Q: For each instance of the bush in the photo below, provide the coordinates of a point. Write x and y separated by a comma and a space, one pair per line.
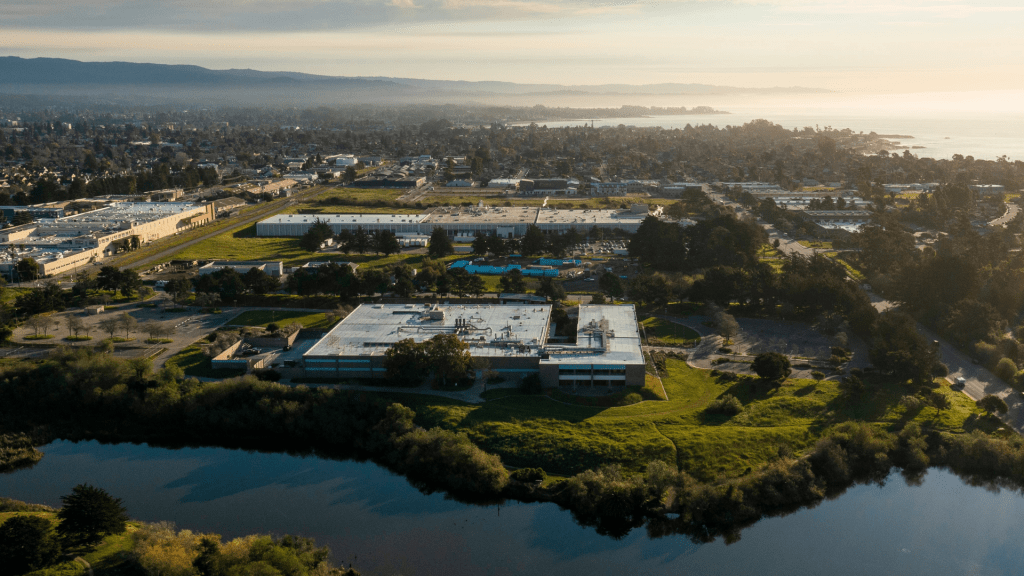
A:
529, 475
630, 399
940, 370
273, 327
993, 404
725, 404
818, 375
1006, 369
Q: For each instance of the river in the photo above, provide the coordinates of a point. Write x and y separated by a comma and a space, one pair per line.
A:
384, 526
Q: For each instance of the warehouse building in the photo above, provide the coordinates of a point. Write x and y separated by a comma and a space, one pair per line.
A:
464, 222
511, 337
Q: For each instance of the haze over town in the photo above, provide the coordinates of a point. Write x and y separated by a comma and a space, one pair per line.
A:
841, 46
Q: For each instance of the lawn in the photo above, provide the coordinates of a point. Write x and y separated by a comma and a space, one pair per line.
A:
243, 244
664, 333
262, 318
193, 362
352, 200
565, 439
105, 558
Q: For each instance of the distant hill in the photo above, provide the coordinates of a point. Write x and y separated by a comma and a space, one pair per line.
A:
164, 83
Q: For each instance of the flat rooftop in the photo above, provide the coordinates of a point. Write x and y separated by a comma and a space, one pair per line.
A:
345, 218
509, 215
549, 216
489, 329
606, 334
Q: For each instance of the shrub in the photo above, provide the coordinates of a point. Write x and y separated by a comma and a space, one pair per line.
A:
940, 370
273, 327
993, 404
725, 404
629, 399
910, 403
529, 475
1006, 369
724, 350
818, 375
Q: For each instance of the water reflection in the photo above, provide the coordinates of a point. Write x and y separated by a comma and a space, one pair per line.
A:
384, 525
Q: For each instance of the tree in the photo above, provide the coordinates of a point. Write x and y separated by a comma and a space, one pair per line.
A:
89, 514
404, 287
551, 289
481, 245
39, 323
27, 543
993, 404
318, 232
127, 323
259, 282
129, 282
158, 329
406, 363
725, 324
110, 325
179, 289
385, 242
28, 269
476, 285
533, 242
900, 350
109, 278
772, 366
75, 324
512, 282
440, 244
611, 284
448, 356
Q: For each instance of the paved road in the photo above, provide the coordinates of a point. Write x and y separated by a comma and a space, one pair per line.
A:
1011, 213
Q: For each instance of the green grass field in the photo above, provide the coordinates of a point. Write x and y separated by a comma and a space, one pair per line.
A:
193, 362
243, 244
669, 333
105, 558
282, 318
351, 201
566, 439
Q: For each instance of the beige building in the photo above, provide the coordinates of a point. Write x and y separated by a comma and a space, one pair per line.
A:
61, 244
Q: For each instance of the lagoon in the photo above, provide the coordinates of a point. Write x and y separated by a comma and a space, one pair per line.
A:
383, 525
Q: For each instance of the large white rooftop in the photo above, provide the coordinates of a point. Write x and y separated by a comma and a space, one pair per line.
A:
345, 218
606, 334
490, 330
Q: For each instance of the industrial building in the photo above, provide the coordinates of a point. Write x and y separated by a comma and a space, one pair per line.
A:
511, 337
61, 244
464, 222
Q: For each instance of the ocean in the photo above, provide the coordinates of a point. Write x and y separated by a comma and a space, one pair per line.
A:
985, 125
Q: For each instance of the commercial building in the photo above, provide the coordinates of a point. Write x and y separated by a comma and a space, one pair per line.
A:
511, 337
464, 222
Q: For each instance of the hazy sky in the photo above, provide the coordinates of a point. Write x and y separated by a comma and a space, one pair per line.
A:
843, 45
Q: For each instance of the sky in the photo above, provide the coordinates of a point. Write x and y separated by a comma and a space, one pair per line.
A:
846, 46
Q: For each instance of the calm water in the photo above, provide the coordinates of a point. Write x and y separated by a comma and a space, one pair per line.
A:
985, 125
378, 521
